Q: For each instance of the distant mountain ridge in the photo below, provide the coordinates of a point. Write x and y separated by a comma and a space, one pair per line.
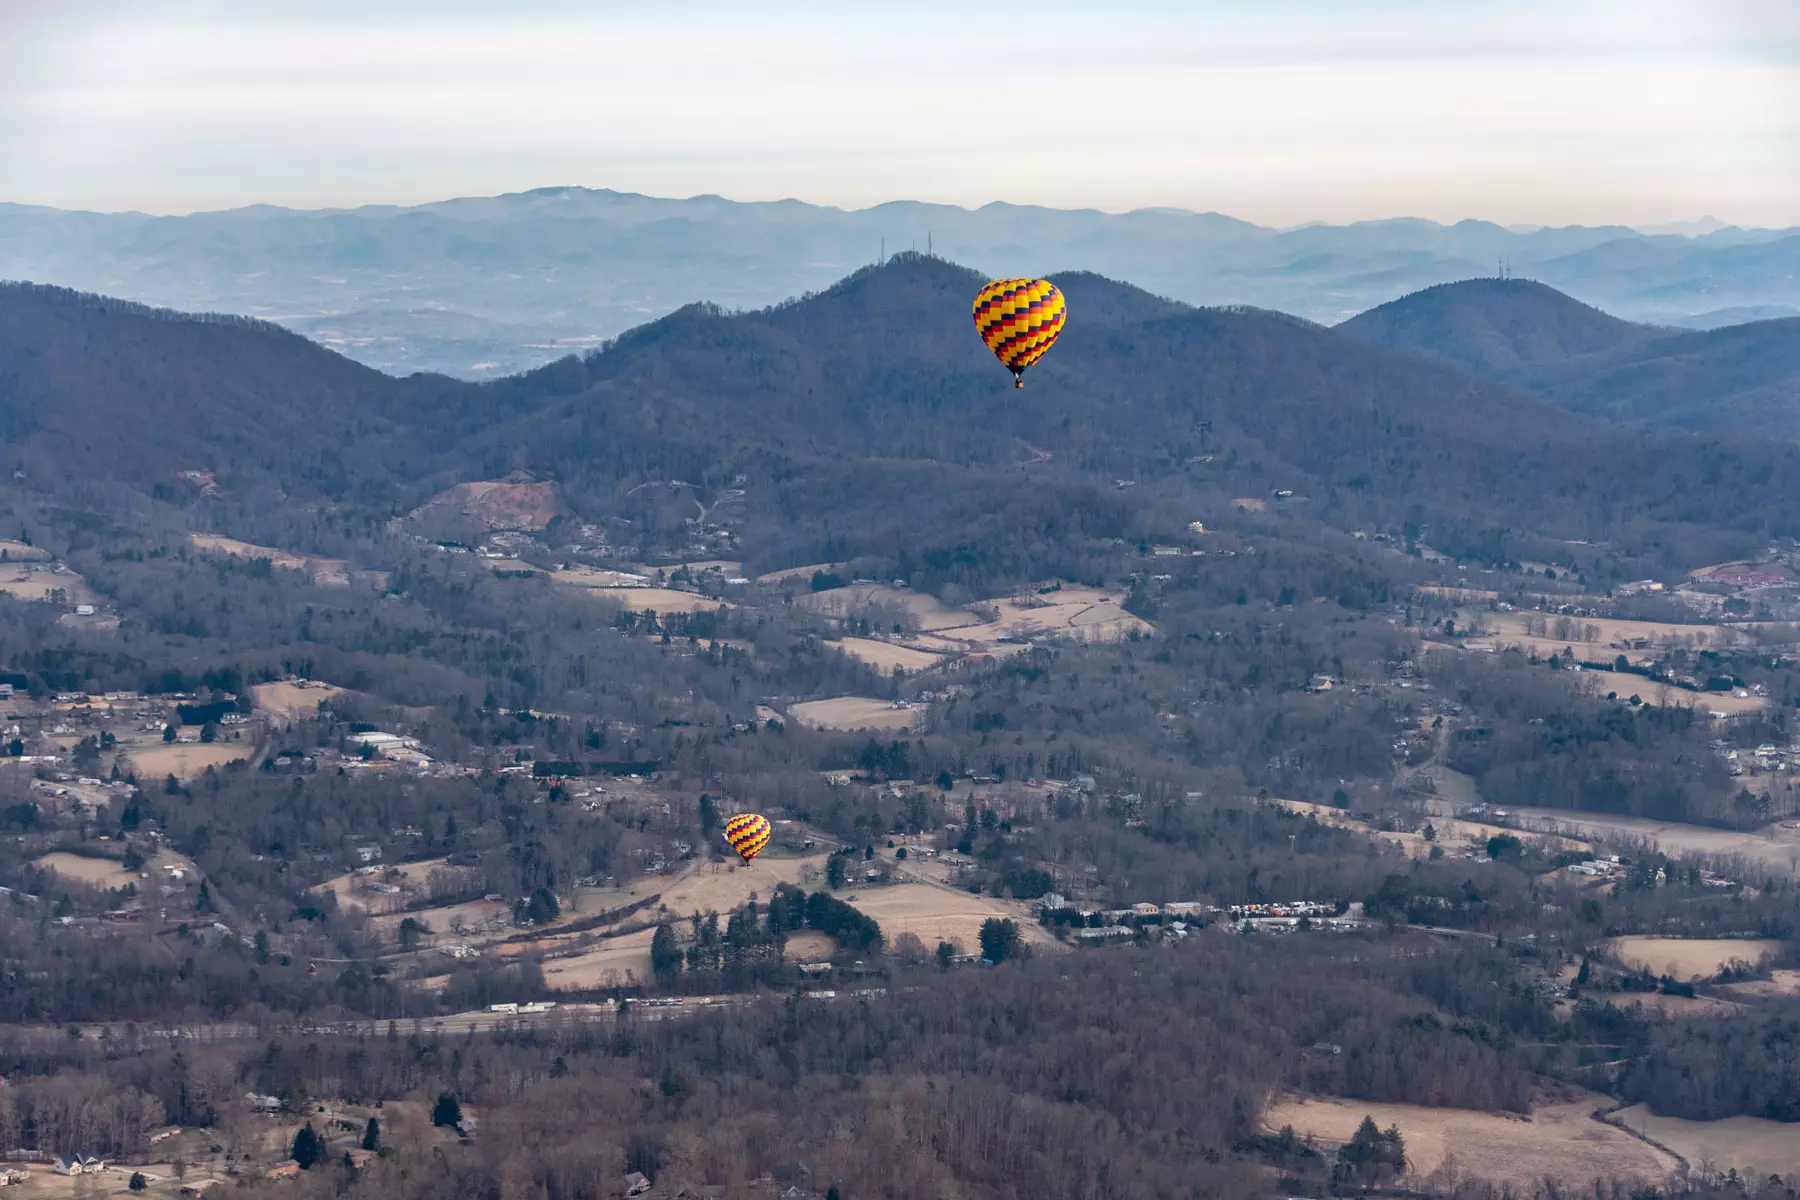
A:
481, 287
1741, 379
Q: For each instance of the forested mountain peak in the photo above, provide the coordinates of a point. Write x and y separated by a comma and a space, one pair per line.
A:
1494, 326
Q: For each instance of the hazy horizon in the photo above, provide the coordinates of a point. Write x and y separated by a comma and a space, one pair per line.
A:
1514, 111
1696, 220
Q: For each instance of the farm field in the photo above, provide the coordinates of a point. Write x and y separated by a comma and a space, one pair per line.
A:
1755, 1146
32, 582
1689, 958
1664, 696
931, 613
661, 600
938, 914
411, 876
101, 872
611, 962
594, 577
885, 656
803, 574
452, 922
1775, 847
1559, 1141
293, 700
1452, 834
184, 760
853, 712
327, 572
20, 552
1780, 983
1512, 627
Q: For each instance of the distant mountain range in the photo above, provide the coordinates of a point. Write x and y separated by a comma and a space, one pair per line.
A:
869, 420
1740, 378
483, 287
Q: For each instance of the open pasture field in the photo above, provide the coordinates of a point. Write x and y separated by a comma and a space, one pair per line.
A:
95, 872
351, 888
1662, 695
31, 582
185, 760
939, 914
327, 572
613, 961
293, 700
1560, 1140
931, 613
801, 574
1083, 613
1779, 983
1690, 958
474, 919
20, 552
1775, 847
1757, 1147
1511, 627
660, 600
1452, 834
853, 712
885, 656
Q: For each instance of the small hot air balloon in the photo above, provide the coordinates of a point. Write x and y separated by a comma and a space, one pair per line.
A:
747, 833
1019, 319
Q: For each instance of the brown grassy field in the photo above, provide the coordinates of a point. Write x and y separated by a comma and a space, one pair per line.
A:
1664, 696
853, 712
95, 872
1690, 958
662, 600
713, 887
801, 574
351, 894
884, 656
1512, 626
1774, 846
1452, 834
293, 700
1756, 1147
930, 612
20, 552
1780, 983
327, 572
184, 760
939, 914
1560, 1140
31, 584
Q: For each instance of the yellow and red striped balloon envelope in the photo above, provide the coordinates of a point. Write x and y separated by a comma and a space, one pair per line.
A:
747, 833
1019, 319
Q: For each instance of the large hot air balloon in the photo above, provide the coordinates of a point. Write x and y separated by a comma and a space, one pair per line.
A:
747, 833
1019, 320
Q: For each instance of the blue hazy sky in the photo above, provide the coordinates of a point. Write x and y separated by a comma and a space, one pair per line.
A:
1280, 111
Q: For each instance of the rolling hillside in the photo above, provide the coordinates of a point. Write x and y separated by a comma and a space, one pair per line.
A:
1742, 379
869, 420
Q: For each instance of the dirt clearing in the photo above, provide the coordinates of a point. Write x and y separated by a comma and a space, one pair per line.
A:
1756, 1147
1559, 1141
853, 712
1690, 958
